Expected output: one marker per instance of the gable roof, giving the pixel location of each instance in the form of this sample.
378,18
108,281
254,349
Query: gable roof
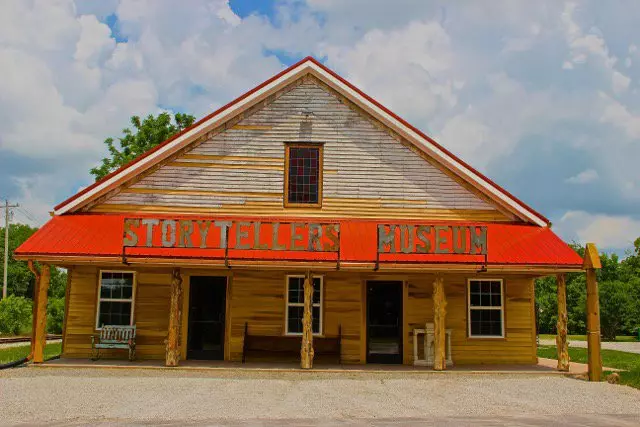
355,95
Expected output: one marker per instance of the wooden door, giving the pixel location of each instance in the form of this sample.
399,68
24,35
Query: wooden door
384,322
207,310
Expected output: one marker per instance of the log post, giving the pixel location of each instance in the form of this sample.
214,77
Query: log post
590,264
40,319
561,326
175,317
439,330
306,352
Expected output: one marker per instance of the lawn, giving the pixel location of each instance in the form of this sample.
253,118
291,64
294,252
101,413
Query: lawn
619,338
630,362
12,354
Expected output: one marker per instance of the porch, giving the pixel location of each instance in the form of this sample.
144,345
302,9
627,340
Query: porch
543,367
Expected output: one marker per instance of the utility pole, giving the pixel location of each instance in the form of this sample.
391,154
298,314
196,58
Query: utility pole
7,206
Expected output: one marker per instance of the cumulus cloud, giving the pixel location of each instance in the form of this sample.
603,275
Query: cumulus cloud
492,81
584,177
607,231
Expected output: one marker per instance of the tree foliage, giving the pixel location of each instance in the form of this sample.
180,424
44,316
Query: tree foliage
146,134
619,289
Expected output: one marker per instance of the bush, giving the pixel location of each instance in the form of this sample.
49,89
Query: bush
55,315
15,315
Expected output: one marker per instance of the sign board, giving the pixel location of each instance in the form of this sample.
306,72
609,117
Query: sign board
223,234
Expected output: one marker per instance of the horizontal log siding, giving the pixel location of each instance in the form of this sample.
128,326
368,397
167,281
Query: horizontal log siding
362,163
518,346
258,297
151,313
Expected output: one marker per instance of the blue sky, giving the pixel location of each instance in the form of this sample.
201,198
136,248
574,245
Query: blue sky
540,96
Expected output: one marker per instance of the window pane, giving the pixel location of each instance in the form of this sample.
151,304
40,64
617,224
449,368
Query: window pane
315,324
116,285
304,174
485,293
114,313
316,290
296,290
295,319
486,322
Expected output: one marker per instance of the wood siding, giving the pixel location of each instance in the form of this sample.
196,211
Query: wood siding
367,172
258,297
151,313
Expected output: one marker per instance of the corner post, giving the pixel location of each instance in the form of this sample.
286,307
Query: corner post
175,317
561,326
306,352
439,329
590,264
40,311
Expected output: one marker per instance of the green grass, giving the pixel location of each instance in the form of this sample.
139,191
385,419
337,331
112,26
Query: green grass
12,354
629,362
619,338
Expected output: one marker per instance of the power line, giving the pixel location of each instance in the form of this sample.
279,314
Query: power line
7,208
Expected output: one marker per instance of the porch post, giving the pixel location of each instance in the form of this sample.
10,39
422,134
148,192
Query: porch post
439,330
306,352
175,317
590,264
39,334
561,326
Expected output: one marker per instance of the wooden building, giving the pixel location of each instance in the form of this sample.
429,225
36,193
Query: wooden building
303,217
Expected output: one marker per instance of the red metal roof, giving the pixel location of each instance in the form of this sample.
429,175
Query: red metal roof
346,82
101,235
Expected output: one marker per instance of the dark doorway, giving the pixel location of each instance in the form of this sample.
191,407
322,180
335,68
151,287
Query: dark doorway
207,307
384,322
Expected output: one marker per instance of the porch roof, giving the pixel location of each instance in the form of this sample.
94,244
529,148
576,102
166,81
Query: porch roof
101,236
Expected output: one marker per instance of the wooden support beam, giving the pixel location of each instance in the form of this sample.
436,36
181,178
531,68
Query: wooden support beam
561,326
40,318
306,352
590,264
175,319
439,329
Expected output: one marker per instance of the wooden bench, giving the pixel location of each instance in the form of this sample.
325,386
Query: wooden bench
286,348
114,337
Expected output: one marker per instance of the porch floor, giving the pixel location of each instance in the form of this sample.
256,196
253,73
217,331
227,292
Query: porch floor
544,366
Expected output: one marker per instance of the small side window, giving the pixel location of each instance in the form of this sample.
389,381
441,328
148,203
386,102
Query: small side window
115,298
486,309
303,175
295,305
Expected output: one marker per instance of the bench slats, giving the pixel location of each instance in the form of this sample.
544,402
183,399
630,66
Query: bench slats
326,348
114,337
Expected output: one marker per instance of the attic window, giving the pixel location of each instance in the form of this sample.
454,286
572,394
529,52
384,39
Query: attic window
303,179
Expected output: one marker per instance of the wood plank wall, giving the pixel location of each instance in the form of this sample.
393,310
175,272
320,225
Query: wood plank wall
151,312
258,297
367,173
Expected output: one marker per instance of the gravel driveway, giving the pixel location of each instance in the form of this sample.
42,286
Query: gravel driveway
629,347
115,396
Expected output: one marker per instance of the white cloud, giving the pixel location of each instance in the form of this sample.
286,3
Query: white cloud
606,231
620,82
482,77
584,177
617,114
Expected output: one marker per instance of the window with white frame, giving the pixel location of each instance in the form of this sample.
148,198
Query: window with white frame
486,308
115,298
295,305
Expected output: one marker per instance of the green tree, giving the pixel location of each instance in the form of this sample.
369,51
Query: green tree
147,133
20,280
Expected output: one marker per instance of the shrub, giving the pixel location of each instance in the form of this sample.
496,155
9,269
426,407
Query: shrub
55,315
15,315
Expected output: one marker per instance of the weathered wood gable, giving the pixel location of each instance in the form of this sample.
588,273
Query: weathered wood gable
368,171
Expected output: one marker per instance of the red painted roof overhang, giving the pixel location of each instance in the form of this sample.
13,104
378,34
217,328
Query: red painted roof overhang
101,235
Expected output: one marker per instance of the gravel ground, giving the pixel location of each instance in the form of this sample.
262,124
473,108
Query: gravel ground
629,347
115,396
